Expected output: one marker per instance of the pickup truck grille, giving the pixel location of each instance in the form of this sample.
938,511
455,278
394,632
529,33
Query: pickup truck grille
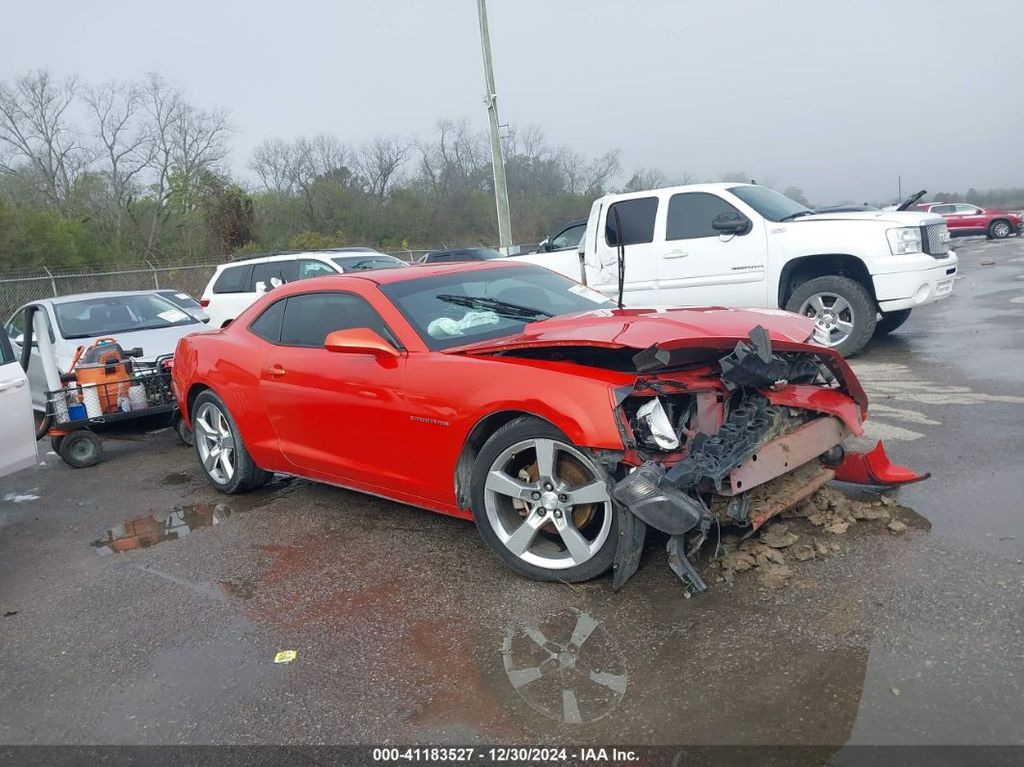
935,239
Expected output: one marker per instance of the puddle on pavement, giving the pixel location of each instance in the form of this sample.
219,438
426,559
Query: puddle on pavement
159,526
177,478
565,667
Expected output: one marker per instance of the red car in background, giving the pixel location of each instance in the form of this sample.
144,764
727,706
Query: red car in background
965,220
510,395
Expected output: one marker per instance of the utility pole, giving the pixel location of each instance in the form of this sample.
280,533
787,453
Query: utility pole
497,161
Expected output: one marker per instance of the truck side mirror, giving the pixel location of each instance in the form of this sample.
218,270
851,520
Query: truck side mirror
730,223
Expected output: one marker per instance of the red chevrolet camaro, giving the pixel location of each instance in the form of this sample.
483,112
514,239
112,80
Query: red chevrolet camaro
510,395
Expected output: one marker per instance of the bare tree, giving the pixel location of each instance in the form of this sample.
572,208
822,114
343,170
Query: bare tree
185,143
36,130
274,162
380,162
645,178
125,149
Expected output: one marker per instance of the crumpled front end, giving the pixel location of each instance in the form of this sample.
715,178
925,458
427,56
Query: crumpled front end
739,443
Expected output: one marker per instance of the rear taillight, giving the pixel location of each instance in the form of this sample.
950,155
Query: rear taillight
204,302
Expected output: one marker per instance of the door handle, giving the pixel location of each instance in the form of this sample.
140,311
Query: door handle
8,385
675,254
275,370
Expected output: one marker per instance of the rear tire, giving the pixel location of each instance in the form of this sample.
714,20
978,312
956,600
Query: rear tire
80,449
999,229
841,306
562,525
222,455
890,321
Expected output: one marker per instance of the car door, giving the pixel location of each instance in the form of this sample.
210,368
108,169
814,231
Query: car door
36,376
953,221
698,266
636,218
18,446
335,414
971,218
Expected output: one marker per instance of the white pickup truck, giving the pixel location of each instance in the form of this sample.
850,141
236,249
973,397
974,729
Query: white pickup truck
858,274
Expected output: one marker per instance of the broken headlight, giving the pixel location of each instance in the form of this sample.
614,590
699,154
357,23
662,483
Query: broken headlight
652,426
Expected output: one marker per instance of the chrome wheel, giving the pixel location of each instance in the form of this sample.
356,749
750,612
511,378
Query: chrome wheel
832,314
1000,229
215,442
548,504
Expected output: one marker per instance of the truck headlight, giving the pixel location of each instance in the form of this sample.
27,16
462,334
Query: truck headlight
906,239
653,426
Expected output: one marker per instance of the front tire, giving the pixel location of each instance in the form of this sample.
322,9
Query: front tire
543,505
890,321
219,447
999,230
80,449
840,306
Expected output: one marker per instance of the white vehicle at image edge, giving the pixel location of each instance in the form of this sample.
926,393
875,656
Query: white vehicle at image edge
240,282
18,446
858,274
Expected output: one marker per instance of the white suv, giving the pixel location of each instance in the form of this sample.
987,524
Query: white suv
238,283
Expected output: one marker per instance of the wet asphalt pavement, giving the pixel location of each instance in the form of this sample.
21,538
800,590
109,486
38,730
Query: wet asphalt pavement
408,630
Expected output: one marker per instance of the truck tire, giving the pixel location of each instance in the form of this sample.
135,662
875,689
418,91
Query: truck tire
890,321
999,229
841,306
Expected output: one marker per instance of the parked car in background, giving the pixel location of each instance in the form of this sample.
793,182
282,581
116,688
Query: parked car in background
965,220
136,319
237,284
566,238
748,246
513,396
459,254
184,302
18,446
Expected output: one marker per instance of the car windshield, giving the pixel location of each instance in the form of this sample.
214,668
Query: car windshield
368,261
450,310
184,300
110,315
769,203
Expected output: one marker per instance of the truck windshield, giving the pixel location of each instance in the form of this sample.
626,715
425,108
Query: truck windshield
769,203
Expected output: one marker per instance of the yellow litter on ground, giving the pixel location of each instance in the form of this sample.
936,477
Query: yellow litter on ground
285,656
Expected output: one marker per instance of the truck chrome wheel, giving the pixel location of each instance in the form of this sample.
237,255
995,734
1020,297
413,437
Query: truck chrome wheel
215,442
832,314
548,504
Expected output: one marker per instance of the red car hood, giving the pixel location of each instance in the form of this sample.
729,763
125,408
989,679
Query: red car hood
711,327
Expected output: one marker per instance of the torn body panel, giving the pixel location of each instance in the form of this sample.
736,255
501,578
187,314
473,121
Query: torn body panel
756,439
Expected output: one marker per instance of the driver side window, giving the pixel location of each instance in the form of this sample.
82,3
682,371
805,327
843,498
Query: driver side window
310,317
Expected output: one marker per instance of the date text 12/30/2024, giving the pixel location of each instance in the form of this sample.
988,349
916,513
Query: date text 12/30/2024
500,754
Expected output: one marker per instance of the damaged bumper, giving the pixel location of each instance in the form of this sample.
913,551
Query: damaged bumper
774,442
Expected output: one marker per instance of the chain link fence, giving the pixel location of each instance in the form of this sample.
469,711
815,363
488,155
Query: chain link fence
19,288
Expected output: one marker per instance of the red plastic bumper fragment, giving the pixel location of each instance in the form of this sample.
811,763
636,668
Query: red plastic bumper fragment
875,468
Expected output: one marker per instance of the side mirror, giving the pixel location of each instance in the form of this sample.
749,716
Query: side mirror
730,223
544,246
359,341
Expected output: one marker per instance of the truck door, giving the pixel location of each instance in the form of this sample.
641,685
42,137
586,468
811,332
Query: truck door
636,217
18,447
699,266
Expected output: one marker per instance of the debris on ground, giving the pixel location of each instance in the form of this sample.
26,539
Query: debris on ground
285,656
790,538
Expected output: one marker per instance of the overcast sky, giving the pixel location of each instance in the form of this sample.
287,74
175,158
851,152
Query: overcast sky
837,98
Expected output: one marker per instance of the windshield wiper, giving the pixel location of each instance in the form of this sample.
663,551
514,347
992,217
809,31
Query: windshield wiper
503,308
799,213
